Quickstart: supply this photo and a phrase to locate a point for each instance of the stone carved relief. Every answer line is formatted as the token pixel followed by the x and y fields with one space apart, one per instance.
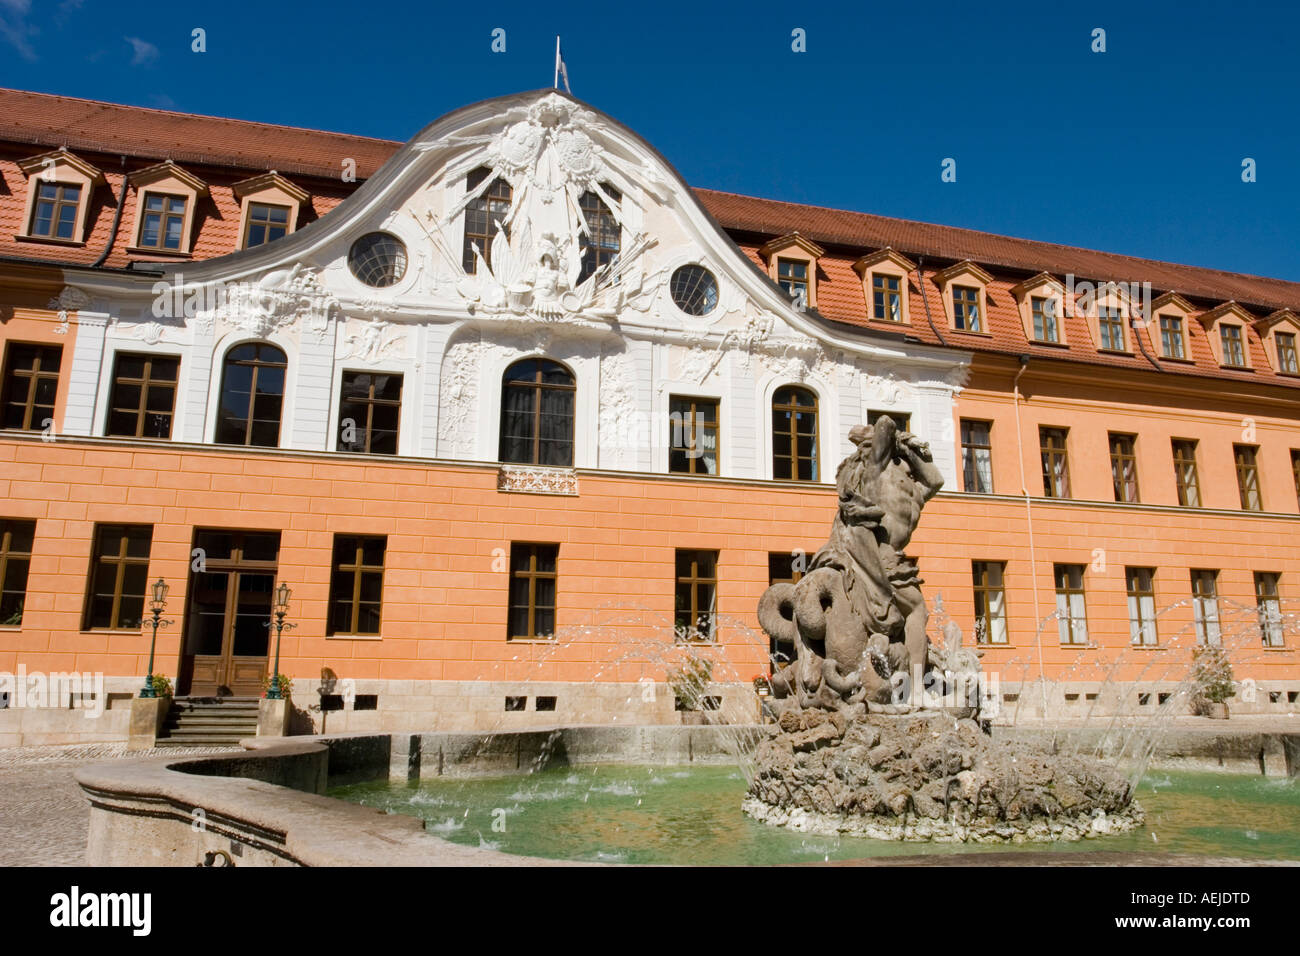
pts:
pixel 621 427
pixel 550 161
pixel 372 340
pixel 531 479
pixel 458 398
pixel 280 299
pixel 69 299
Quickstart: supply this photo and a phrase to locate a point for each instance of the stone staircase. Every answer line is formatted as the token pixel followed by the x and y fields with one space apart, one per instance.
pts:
pixel 209 721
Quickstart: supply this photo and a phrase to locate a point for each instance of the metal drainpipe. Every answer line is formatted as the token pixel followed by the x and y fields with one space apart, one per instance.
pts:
pixel 920 281
pixel 117 219
pixel 1029 523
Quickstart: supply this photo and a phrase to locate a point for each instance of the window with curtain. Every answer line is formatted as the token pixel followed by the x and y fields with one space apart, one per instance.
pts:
pixel 693 435
pixel 1056 466
pixel 990 601
pixel 1123 467
pixel 1072 617
pixel 537 409
pixel 977 456
pixel 1269 605
pixel 1205 606
pixel 1141 605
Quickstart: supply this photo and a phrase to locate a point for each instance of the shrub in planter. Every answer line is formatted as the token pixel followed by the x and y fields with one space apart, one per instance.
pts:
pixel 1212 680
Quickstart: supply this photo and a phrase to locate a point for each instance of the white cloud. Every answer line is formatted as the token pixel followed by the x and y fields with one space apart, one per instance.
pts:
pixel 15 29
pixel 142 50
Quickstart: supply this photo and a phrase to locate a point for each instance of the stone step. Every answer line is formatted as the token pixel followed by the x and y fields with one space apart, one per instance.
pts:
pixel 192 740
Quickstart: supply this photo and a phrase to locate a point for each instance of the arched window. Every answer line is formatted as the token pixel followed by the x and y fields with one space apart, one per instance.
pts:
pixel 481 217
pixel 252 393
pixel 794 434
pixel 537 398
pixel 604 237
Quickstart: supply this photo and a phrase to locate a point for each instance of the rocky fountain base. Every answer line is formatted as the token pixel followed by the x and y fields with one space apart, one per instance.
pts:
pixel 928 776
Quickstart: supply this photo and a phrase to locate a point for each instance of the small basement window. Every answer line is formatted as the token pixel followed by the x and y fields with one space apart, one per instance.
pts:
pixel 1275 697
pixel 1010 698
pixel 1072 698
pixel 1144 699
pixel 1089 696
pixel 331 701
pixel 1162 698
pixel 1292 696
pixel 516 703
pixel 366 702
pixel 544 703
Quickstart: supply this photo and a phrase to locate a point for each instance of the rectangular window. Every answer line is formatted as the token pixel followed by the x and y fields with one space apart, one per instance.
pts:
pixel 1171 337
pixel 15 558
pixel 695 618
pixel 1189 485
pixel 990 601
pixel 693 435
pixel 783 567
pixel 1205 606
pixel 1072 617
pixel 1056 466
pixel 792 276
pixel 1234 352
pixel 163 222
pixel 1284 342
pixel 1044 315
pixel 143 397
pixel 370 406
pixel 1295 473
pixel 1270 608
pixel 533 577
pixel 966 308
pixel 902 419
pixel 1248 476
pixel 886 297
pixel 357 584
pixel 1141 605
pixel 1110 324
pixel 119 577
pixel 54 214
pixel 31 385
pixel 1123 467
pixel 266 223
pixel 977 456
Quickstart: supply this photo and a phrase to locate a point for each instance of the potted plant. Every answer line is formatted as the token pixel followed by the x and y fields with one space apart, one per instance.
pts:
pixel 762 686
pixel 162 685
pixel 689 682
pixel 1212 679
pixel 285 684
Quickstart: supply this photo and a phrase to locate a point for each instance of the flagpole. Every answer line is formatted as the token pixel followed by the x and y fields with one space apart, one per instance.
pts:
pixel 556 84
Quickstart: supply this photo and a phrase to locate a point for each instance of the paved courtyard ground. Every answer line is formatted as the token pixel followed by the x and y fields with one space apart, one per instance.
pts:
pixel 43 813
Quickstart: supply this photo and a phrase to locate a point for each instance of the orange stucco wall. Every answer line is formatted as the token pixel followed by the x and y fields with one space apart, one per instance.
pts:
pixel 444 611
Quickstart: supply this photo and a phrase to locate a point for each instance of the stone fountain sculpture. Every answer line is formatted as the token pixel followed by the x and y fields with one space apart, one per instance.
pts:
pixel 877 731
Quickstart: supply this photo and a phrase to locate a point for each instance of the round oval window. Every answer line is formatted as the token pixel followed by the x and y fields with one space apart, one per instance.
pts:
pixel 378 259
pixel 694 289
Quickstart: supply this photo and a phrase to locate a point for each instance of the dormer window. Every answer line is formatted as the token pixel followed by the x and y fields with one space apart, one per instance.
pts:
pixel 1234 351
pixel 1046 321
pixel 1171 313
pixel 884 276
pixel 1110 327
pixel 1172 341
pixel 1284 342
pixel 792 263
pixel 59 189
pixel 886 298
pixel 54 214
pixel 162 226
pixel 165 208
pixel 962 289
pixel 1226 329
pixel 1279 333
pixel 269 208
pixel 966 308
pixel 792 276
pixel 1040 300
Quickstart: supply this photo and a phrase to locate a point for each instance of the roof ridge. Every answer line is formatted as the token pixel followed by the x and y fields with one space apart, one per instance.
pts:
pixel 203 116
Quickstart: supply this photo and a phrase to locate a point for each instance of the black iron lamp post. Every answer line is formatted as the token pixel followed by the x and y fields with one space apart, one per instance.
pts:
pixel 157 604
pixel 281 609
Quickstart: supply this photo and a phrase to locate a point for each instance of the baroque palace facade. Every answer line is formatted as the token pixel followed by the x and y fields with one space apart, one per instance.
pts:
pixel 524 415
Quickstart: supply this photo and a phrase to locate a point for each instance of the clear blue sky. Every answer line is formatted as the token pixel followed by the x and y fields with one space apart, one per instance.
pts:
pixel 1135 150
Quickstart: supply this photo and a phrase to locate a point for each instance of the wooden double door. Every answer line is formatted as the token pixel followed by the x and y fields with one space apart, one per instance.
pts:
pixel 227 636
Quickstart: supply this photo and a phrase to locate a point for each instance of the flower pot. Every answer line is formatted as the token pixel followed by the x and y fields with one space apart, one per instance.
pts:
pixel 1218 711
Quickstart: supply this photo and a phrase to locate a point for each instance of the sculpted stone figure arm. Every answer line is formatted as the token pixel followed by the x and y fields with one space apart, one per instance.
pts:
pixel 920 459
